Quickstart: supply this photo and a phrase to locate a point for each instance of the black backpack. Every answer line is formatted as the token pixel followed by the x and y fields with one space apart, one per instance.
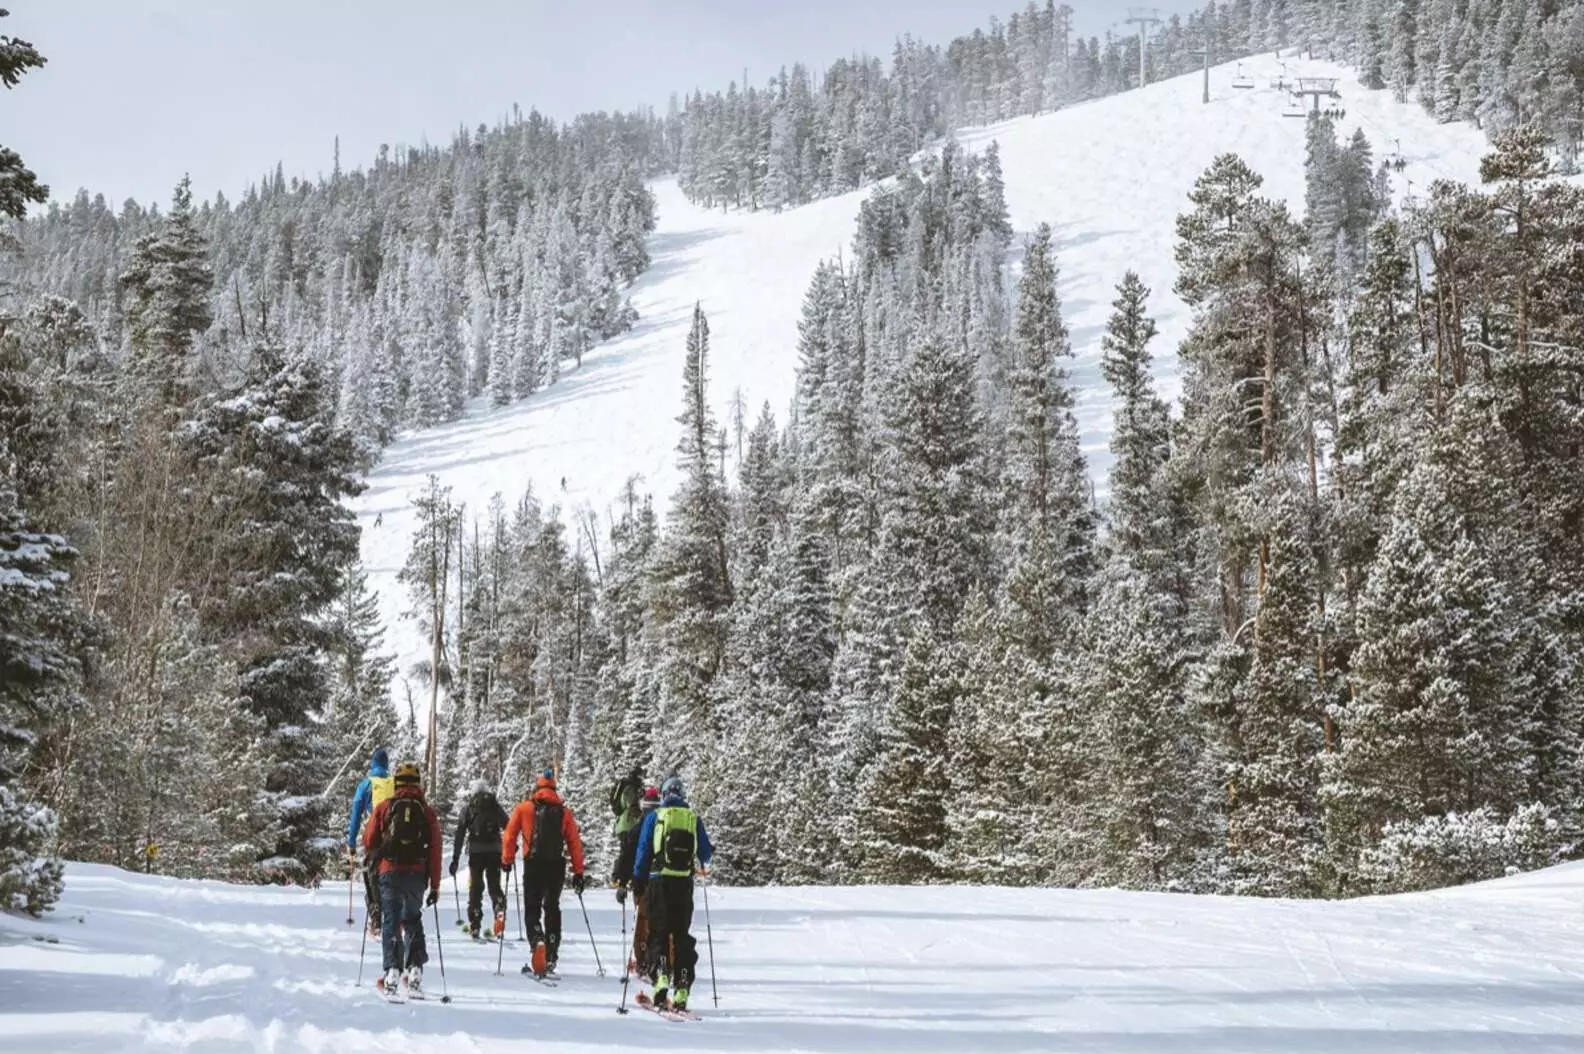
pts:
pixel 406 832
pixel 484 824
pixel 547 837
pixel 618 792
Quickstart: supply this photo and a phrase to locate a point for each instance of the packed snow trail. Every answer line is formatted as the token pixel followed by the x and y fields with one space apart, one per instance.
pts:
pixel 164 965
pixel 1110 176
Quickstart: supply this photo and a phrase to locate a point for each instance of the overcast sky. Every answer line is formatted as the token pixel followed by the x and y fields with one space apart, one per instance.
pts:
pixel 138 91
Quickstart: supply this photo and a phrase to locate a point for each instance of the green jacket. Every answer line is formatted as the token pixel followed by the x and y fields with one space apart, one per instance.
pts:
pixel 632 813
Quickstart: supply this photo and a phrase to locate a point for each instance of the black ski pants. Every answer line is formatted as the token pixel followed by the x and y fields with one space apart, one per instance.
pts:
pixel 626 853
pixel 541 884
pixel 669 907
pixel 484 867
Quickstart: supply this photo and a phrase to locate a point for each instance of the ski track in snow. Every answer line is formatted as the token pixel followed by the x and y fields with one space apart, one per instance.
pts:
pixel 158 964
pixel 1110 176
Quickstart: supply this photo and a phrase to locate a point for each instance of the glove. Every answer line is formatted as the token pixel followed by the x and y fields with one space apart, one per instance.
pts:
pixel 453 869
pixel 621 894
pixel 434 895
pixel 506 866
pixel 577 885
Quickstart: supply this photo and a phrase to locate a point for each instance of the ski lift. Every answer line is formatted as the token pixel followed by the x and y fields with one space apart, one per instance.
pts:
pixel 1242 80
pixel 1295 108
pixel 1395 160
pixel 1279 82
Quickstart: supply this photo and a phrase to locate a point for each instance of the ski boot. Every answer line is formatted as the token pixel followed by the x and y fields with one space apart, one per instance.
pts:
pixel 500 924
pixel 538 961
pixel 414 982
pixel 679 999
pixel 390 983
pixel 662 992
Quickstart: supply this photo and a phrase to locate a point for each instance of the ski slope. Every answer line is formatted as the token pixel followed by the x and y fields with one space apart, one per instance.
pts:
pixel 130 963
pixel 1110 176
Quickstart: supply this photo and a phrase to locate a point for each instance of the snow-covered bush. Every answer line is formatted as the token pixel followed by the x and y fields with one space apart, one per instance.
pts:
pixel 1454 849
pixel 30 872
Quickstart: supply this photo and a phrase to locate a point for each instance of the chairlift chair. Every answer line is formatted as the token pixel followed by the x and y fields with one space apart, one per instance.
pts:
pixel 1242 80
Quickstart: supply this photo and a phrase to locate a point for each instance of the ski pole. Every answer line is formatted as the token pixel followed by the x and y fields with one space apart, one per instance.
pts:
pixel 362 951
pixel 599 965
pixel 522 903
pixel 709 932
pixel 445 995
pixel 351 877
pixel 500 951
pixel 457 896
pixel 626 970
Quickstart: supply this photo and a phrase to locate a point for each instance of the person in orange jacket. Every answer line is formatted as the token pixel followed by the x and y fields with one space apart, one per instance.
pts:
pixel 403 836
pixel 549 833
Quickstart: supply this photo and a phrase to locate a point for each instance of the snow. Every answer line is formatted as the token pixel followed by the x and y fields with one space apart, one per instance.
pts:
pixel 1110 176
pixel 156 964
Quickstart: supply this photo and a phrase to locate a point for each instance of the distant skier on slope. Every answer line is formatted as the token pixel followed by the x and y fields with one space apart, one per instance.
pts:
pixel 480 826
pixel 548 833
pixel 403 835
pixel 672 844
pixel 373 789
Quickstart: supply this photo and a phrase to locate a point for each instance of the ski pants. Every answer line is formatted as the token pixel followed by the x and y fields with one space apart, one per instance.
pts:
pixel 541 885
pixel 626 853
pixel 371 890
pixel 401 920
pixel 640 945
pixel 484 867
pixel 670 910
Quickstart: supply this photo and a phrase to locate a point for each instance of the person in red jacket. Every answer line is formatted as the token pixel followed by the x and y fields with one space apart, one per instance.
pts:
pixel 403 835
pixel 548 832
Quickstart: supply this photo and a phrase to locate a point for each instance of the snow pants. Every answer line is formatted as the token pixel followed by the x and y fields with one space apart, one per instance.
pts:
pixel 371 892
pixel 626 853
pixel 541 883
pixel 672 950
pixel 401 921
pixel 484 867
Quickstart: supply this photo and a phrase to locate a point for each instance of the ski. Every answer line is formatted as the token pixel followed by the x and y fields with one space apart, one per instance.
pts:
pixel 670 1013
pixel 392 996
pixel 548 980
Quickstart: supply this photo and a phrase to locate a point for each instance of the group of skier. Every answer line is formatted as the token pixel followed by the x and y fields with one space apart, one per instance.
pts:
pixel 661 845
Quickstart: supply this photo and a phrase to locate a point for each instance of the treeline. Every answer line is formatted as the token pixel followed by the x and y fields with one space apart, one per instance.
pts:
pixel 1322 640
pixel 437 275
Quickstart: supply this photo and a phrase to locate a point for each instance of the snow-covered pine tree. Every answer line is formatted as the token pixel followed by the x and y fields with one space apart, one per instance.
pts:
pixel 168 282
pixel 691 588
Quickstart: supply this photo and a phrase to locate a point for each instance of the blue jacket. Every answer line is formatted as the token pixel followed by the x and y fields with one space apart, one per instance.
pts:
pixel 363 803
pixel 644 859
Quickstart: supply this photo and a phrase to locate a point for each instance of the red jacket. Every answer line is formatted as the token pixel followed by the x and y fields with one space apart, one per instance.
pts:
pixel 374 833
pixel 522 822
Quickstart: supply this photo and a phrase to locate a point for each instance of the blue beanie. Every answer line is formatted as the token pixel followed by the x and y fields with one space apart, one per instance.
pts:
pixel 381 759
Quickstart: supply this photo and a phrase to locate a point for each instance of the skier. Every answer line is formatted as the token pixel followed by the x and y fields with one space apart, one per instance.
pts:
pixel 548 831
pixel 373 789
pixel 403 835
pixel 626 801
pixel 640 963
pixel 480 825
pixel 671 845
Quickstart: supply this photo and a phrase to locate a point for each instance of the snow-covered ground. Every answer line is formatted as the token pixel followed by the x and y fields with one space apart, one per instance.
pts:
pixel 130 963
pixel 1110 176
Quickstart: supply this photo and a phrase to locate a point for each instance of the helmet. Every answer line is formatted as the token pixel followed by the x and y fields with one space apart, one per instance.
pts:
pixel 381 759
pixel 672 786
pixel 651 798
pixel 408 774
pixel 546 781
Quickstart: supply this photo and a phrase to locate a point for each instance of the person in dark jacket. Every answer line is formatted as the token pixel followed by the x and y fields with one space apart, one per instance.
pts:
pixel 403 835
pixel 480 826
pixel 672 845
pixel 627 800
pixel 549 834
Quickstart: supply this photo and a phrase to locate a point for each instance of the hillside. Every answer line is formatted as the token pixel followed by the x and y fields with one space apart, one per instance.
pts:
pixel 1110 176
pixel 129 963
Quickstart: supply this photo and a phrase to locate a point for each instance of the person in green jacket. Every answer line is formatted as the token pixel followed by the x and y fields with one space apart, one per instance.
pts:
pixel 626 799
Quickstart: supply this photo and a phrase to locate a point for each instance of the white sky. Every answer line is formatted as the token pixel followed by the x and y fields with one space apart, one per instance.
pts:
pixel 137 92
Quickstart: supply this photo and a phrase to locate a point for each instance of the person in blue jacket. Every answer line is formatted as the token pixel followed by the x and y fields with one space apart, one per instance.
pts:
pixel 672 845
pixel 373 789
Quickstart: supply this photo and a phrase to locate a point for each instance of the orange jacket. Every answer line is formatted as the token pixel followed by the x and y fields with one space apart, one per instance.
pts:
pixel 374 833
pixel 522 822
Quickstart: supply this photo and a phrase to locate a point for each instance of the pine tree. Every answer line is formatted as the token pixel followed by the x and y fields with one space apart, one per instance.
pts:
pixel 1140 440
pixel 169 280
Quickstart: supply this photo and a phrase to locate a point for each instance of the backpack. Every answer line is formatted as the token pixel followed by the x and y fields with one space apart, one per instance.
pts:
pixel 675 840
pixel 406 833
pixel 380 788
pixel 618 792
pixel 547 836
pixel 484 823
